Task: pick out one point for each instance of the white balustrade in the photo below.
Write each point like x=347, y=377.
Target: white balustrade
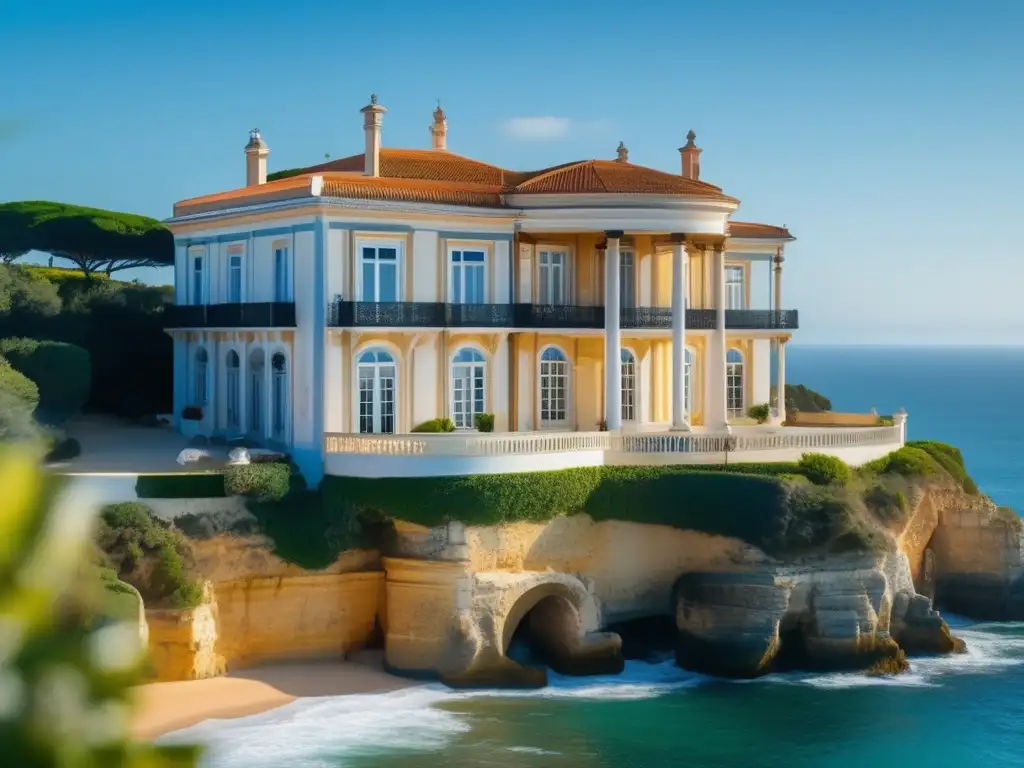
x=523, y=443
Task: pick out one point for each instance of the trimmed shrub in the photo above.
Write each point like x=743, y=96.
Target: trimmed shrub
x=18, y=385
x=822, y=469
x=180, y=486
x=263, y=482
x=63, y=373
x=147, y=553
x=907, y=461
x=64, y=450
x=485, y=422
x=760, y=413
x=436, y=425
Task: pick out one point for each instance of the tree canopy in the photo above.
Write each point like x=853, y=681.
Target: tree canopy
x=91, y=238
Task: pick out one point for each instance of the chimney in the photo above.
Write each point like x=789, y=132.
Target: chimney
x=691, y=157
x=255, y=159
x=622, y=154
x=373, y=119
x=439, y=130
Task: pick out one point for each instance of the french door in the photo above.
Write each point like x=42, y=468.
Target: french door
x=376, y=393
x=627, y=280
x=379, y=274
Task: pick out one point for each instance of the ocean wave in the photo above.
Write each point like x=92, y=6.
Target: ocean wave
x=308, y=732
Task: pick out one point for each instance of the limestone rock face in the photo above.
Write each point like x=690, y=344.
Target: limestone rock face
x=832, y=613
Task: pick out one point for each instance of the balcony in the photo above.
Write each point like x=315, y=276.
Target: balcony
x=408, y=314
x=270, y=314
x=413, y=314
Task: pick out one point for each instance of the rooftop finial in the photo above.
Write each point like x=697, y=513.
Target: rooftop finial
x=373, y=100
x=623, y=153
x=254, y=133
x=690, y=139
x=439, y=113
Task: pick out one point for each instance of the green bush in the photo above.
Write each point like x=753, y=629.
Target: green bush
x=63, y=373
x=485, y=422
x=180, y=486
x=20, y=386
x=436, y=425
x=822, y=469
x=775, y=514
x=950, y=459
x=907, y=461
x=760, y=413
x=147, y=553
x=264, y=482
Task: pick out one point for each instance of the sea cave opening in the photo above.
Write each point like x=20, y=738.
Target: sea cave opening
x=543, y=633
x=647, y=638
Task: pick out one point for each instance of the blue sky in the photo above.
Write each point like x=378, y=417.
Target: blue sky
x=886, y=135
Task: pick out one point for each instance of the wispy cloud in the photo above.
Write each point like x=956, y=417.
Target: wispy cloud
x=538, y=128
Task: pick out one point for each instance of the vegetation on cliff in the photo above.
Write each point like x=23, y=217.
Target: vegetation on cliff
x=147, y=553
x=816, y=505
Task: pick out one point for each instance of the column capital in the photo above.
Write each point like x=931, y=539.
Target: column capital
x=602, y=245
x=614, y=234
x=677, y=237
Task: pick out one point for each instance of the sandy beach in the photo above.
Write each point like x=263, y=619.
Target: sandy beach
x=165, y=707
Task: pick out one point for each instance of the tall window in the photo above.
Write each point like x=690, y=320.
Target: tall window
x=627, y=279
x=467, y=277
x=202, y=377
x=628, y=386
x=734, y=383
x=279, y=414
x=552, y=277
x=735, y=292
x=468, y=370
x=554, y=386
x=233, y=394
x=281, y=274
x=257, y=367
x=376, y=393
x=379, y=272
x=198, y=279
x=234, y=278
x=688, y=380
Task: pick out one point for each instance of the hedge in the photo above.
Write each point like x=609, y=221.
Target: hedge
x=263, y=482
x=180, y=486
x=763, y=508
x=19, y=385
x=63, y=373
x=950, y=459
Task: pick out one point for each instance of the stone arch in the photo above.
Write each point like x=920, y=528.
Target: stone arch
x=562, y=602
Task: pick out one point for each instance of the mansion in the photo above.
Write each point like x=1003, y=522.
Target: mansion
x=599, y=310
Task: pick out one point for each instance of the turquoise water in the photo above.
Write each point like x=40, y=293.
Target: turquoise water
x=958, y=711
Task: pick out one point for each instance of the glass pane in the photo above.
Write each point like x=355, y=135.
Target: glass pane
x=369, y=281
x=387, y=402
x=556, y=284
x=457, y=283
x=389, y=254
x=388, y=288
x=475, y=285
x=369, y=254
x=545, y=285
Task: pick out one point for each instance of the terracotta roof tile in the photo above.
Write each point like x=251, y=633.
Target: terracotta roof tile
x=749, y=229
x=283, y=189
x=430, y=164
x=611, y=176
x=411, y=190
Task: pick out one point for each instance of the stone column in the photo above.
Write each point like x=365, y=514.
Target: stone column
x=243, y=386
x=680, y=418
x=780, y=381
x=612, y=338
x=777, y=265
x=717, y=418
x=268, y=385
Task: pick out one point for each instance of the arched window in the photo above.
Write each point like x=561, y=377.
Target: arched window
x=257, y=368
x=468, y=372
x=628, y=386
x=202, y=377
x=734, y=383
x=279, y=413
x=232, y=394
x=688, y=380
x=554, y=386
x=376, y=373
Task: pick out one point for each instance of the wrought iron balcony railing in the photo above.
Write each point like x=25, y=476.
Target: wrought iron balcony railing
x=268, y=314
x=351, y=314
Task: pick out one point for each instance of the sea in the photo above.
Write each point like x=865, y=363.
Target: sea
x=960, y=711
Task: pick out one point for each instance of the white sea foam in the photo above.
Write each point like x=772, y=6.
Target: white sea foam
x=532, y=751
x=315, y=733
